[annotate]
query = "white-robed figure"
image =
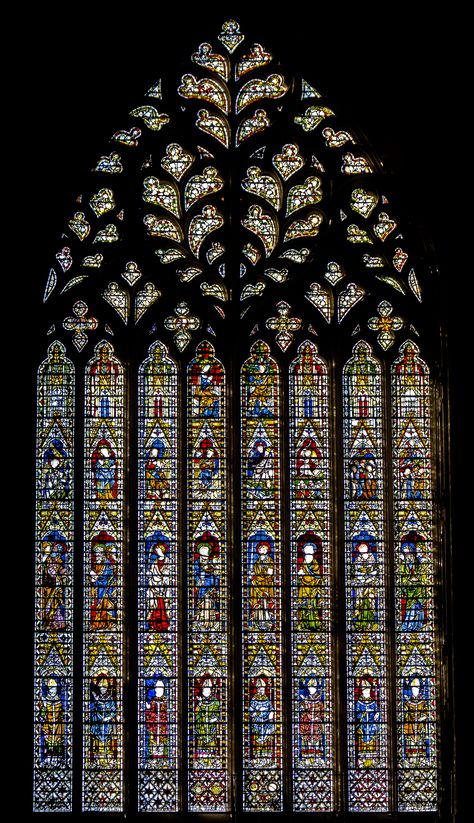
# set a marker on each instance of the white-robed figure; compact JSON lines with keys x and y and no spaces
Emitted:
{"x":262,"y":725}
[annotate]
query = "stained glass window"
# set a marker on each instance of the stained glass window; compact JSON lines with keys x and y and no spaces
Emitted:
{"x":237,"y":552}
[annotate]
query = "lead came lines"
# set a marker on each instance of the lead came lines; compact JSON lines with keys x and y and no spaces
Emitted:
{"x":208,"y":676}
{"x":158,"y":583}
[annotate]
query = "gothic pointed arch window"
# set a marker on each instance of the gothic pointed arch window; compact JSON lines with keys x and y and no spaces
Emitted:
{"x":238,"y":466}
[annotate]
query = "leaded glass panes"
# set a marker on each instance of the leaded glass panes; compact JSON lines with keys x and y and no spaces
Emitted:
{"x":158,"y":603}
{"x":261,"y":582}
{"x":103,"y":640}
{"x":311,"y":575}
{"x":365,"y":540}
{"x":208,"y":586}
{"x":240,"y":210}
{"x":414,"y":582}
{"x":53,"y":584}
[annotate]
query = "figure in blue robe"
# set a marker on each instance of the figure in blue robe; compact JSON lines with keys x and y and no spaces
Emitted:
{"x":207,"y":459}
{"x":206,"y":587}
{"x":262,"y":713}
{"x":103,"y":711}
{"x":104,"y":469}
{"x":103,"y":588}
{"x":56,"y":471}
{"x":367,"y":724}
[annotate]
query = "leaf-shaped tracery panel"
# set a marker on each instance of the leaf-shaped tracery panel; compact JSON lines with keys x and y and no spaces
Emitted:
{"x":208,"y":166}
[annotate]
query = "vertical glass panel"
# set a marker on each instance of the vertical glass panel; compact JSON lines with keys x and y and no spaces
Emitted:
{"x":310,"y":537}
{"x":261,"y":582}
{"x":53,"y":583}
{"x":415,"y":630}
{"x":103,"y":582}
{"x":158,"y":583}
{"x":208,"y":588}
{"x":365,"y":582}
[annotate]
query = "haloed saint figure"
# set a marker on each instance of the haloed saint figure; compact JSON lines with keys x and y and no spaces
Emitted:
{"x":52,"y":722}
{"x":54,"y":575}
{"x":413,"y":578}
{"x":158,"y":591}
{"x":156,"y":473}
{"x":103,"y":717}
{"x":262,"y":724}
{"x":262,"y":587}
{"x":260,"y":469}
{"x":56,"y":471}
{"x":415,"y":721}
{"x":104,"y":470}
{"x":364,"y":592}
{"x":206,"y":466}
{"x":309,"y":589}
{"x":103,"y":582}
{"x":206,"y":583}
{"x":367,"y":722}
{"x":207,"y":716}
{"x":157,"y":723}
{"x":311,"y":717}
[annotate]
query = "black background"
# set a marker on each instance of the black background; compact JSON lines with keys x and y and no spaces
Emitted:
{"x":396,"y":71}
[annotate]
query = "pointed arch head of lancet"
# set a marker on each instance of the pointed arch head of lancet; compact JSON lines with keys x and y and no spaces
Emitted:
{"x":104,"y":351}
{"x":410,"y":384}
{"x":362,"y":363}
{"x":260,"y":365}
{"x":205,"y":351}
{"x":307,"y":353}
{"x":158,"y":353}
{"x":409,"y":350}
{"x":56,"y":352}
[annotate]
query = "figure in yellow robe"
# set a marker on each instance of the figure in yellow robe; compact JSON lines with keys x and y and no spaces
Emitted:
{"x":262,"y":588}
{"x":51,"y":715}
